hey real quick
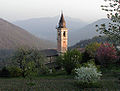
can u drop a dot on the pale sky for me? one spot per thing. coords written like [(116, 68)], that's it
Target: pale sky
[(86, 10)]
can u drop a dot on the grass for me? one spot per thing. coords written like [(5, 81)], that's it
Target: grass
[(59, 82), (41, 84)]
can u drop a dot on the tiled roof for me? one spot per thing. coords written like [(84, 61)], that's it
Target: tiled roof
[(49, 52)]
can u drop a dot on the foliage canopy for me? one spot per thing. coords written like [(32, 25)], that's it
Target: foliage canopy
[(70, 60), (113, 29)]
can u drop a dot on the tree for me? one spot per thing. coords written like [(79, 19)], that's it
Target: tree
[(70, 60), (106, 54), (28, 60), (4, 72), (113, 29), (91, 49), (14, 71)]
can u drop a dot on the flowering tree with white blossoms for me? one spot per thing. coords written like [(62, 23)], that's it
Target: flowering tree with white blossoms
[(87, 74)]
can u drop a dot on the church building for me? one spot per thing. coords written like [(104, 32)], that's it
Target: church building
[(62, 36), (62, 43)]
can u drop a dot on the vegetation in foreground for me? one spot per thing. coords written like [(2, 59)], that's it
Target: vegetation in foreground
[(74, 74), (60, 82)]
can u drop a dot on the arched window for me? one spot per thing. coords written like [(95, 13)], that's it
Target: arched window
[(58, 33), (64, 34)]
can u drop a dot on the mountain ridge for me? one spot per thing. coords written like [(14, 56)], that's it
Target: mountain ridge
[(46, 27), (78, 30), (12, 36)]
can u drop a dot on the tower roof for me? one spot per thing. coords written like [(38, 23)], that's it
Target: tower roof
[(62, 23)]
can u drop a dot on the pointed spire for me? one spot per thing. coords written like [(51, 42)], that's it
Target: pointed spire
[(62, 23)]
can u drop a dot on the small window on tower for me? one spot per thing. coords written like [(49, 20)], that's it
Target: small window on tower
[(58, 33), (64, 34)]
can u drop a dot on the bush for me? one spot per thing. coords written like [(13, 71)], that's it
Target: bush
[(4, 72), (15, 71), (106, 54), (87, 74), (86, 57), (43, 70), (92, 48), (70, 60), (59, 61), (28, 60)]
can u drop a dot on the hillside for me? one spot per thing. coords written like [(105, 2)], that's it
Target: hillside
[(88, 31), (12, 36), (84, 43), (45, 27)]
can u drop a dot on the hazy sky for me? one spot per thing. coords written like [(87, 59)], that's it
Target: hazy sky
[(86, 10)]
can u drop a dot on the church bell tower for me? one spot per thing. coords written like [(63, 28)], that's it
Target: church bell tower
[(62, 35)]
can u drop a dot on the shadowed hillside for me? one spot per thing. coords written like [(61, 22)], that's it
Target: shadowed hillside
[(84, 43), (88, 31), (12, 37)]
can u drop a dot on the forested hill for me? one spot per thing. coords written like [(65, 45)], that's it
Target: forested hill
[(84, 43)]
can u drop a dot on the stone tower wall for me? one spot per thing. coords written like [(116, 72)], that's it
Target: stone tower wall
[(62, 39)]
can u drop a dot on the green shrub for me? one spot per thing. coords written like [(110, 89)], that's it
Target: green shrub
[(87, 74), (53, 70), (28, 60), (59, 61), (70, 60), (4, 72), (86, 57), (30, 70), (15, 71), (92, 48), (43, 70)]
